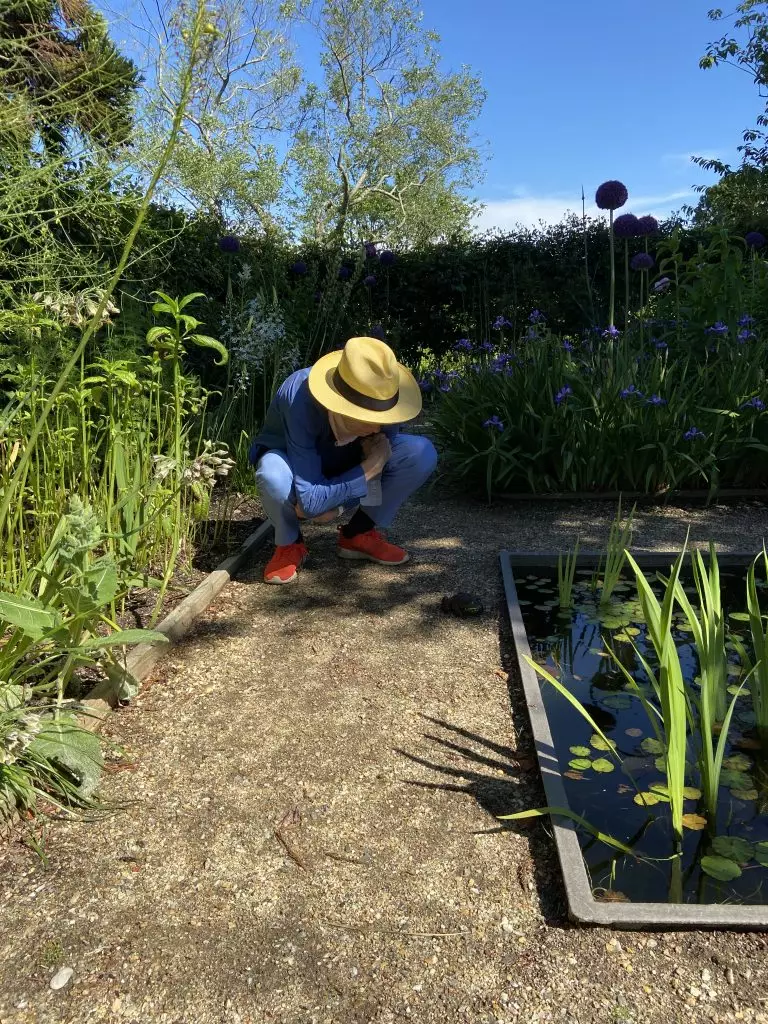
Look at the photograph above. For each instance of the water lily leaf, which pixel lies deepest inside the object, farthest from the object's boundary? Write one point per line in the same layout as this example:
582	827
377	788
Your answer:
734	670
721	868
736	780
646	799
541	607
632	630
691	793
580	751
523	604
576	776
740	691
684	627
660	788
601	744
695	822
734	848
738	762
739	616
761	854
633	732
602	764
660	765
652	746
622	638
580	764
617	701
744	794
600	653
746	743
623	788
611	622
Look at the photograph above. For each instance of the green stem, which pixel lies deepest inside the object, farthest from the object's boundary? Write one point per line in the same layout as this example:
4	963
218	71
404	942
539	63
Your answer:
613	270
626	284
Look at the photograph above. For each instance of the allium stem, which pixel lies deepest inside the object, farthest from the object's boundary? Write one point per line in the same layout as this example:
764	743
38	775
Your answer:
626	284
613	270
586	253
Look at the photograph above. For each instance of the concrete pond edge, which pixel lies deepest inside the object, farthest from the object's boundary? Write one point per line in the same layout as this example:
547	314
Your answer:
583	908
141	659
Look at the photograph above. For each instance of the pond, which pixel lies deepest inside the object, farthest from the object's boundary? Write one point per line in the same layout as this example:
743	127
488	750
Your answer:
623	792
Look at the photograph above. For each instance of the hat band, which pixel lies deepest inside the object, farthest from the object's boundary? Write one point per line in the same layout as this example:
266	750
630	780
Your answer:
364	401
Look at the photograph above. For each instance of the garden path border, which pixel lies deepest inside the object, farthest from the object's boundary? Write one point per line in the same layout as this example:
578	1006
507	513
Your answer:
642	497
142	658
583	908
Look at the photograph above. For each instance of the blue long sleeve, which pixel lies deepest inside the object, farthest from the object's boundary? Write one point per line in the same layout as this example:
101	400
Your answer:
315	492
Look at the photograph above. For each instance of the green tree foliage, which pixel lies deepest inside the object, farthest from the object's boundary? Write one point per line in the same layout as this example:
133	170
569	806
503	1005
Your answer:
739	200
384	147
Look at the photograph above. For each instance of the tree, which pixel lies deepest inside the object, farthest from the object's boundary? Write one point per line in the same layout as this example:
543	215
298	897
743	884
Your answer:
226	163
384	146
739	200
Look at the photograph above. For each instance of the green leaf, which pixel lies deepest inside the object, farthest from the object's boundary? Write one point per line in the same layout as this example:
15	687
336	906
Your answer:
761	854
125	684
601	743
691	793
647	799
27	614
739	616
205	342
602	764
580	751
738	762
580	764
734	848
721	868
64	743
11	696
563	812
652	746
123	637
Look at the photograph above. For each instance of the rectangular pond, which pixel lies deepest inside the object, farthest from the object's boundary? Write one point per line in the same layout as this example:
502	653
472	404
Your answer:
622	792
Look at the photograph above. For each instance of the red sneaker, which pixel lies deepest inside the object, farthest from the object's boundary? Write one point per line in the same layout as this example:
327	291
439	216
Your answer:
371	546
285	563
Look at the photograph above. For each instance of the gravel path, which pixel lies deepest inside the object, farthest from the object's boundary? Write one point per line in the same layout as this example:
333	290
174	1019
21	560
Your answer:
313	778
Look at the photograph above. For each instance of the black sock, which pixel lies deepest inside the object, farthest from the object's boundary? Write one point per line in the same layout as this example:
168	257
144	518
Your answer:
359	523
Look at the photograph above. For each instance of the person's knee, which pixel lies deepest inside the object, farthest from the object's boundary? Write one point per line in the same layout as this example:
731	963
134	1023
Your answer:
274	477
419	453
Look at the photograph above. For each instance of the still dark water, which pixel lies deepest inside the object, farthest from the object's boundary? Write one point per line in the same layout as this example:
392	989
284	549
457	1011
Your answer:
573	648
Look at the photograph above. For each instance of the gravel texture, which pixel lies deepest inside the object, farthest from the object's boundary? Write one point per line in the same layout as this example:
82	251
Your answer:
307	833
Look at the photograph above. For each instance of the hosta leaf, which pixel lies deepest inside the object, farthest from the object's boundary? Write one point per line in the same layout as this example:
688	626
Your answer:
721	868
734	848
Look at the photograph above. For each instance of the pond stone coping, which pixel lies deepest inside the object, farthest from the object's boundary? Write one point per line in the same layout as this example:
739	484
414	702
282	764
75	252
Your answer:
583	908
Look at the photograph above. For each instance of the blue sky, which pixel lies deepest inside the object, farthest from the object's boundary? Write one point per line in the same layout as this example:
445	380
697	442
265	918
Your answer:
581	92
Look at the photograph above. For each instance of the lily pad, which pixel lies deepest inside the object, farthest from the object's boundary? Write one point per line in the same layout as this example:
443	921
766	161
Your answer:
580	751
541	607
660	788
738	762
747	743
721	868
739	616
580	764
684	627
600	744
734	848
602	764
660	765
623	637
734	670
523	604
617	701
691	793
744	794
761	854
634	733
694	822
742	691
598	651
576	776
632	630
647	799
612	622
736	780
652	746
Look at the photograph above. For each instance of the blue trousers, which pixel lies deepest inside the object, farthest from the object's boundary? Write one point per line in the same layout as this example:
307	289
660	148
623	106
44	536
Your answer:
413	461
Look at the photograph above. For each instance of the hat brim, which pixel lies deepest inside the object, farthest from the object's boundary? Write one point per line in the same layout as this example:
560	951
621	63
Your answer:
323	389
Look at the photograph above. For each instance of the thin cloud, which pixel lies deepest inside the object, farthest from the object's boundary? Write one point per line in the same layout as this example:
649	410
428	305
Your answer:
530	211
684	159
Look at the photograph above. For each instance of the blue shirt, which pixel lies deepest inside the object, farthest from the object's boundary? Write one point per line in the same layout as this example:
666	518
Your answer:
325	475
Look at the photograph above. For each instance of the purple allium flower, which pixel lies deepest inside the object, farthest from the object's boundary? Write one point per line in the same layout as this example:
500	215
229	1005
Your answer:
745	335
425	385
536	316
299	268
717	328
344	273
369	281
641	261
377	331
568	346
630	391
387	258
648	225
692	433
563	393
626	226
657	343
754	239
370	249
229	243
463	345
662	285
500	322
754	403
745	320
657	400
494	423
611	332
611	195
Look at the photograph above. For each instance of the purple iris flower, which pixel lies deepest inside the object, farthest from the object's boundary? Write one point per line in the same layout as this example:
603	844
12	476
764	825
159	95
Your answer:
494	423
745	320
536	316
500	322
658	343
377	331
563	393
692	433
657	400
611	195
630	391
568	345
425	385
229	243
754	403
463	345
486	346
611	332
717	328
662	285
744	335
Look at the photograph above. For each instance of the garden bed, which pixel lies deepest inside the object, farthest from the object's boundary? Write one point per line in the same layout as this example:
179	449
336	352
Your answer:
615	790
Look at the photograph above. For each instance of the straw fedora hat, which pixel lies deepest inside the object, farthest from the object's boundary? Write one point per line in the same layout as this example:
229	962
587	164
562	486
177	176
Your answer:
365	382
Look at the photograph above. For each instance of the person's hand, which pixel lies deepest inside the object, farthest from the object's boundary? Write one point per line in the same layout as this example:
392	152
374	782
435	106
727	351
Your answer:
378	452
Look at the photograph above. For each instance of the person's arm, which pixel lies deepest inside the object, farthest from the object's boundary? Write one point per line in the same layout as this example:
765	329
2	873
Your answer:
316	493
